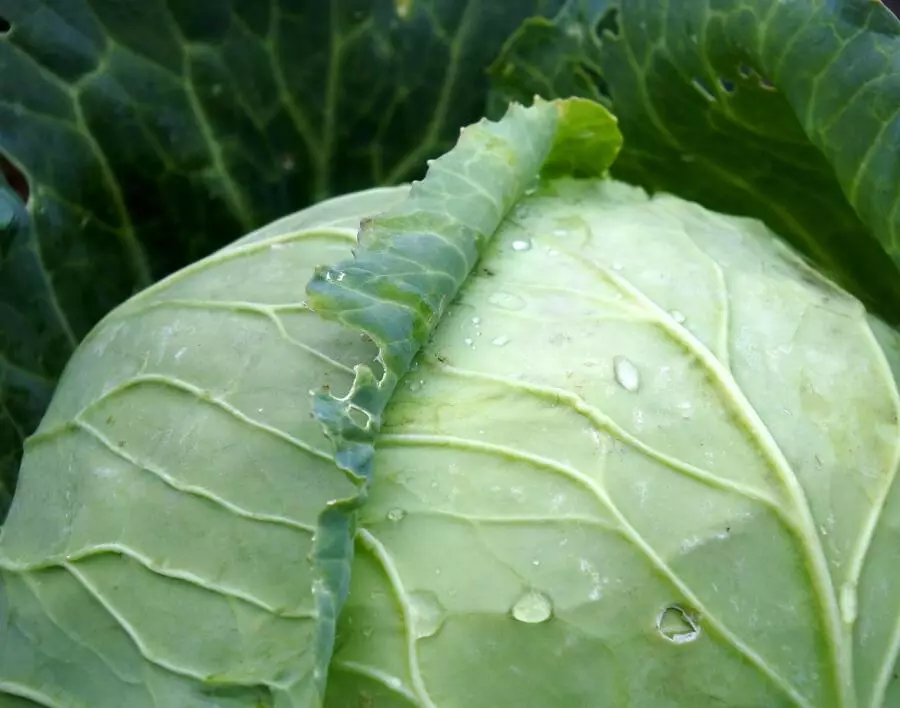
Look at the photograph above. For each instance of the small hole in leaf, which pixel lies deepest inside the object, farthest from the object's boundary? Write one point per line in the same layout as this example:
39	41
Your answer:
727	85
5	26
360	417
16	179
377	367
766	84
608	23
599	82
704	89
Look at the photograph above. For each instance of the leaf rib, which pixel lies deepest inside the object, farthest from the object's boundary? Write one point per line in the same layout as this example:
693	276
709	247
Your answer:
32	586
22	691
380	553
205	396
190	489
197	581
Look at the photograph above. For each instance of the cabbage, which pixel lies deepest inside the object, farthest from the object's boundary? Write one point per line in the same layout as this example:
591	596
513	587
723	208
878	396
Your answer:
539	439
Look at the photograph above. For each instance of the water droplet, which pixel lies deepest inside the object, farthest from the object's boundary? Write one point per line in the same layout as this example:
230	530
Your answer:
334	276
396	515
617	266
521	245
476	321
677	626
553	253
626	373
560	232
469	342
426	614
686	408
532	608
677	315
500	341
506	300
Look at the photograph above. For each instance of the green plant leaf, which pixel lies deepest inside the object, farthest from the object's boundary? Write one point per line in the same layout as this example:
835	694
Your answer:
786	111
649	458
152	133
24	390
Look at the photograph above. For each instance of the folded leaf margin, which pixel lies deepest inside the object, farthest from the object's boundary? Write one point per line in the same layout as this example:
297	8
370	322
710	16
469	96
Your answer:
408	267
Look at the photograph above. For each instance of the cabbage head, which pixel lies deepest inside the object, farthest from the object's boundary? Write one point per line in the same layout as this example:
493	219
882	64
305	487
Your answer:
536	439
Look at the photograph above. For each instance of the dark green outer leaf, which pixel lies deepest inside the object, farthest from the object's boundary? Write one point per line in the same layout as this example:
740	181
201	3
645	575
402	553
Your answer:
786	111
24	392
153	132
409	266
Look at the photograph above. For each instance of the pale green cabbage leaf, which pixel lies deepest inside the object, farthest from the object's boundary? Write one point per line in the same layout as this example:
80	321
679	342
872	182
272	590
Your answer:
648	460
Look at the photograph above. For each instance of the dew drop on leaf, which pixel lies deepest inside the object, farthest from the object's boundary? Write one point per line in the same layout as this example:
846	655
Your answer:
626	373
506	301
426	614
677	626
521	245
500	341
532	608
396	515
678	316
